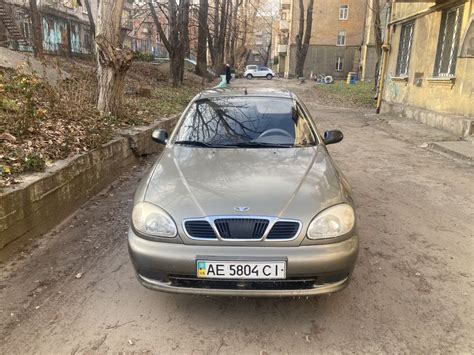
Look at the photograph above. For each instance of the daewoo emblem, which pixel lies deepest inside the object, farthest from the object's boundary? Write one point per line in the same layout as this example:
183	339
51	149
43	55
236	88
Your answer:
241	208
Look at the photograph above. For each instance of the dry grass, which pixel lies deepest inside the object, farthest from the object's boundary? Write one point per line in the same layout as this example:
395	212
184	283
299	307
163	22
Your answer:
54	122
341	94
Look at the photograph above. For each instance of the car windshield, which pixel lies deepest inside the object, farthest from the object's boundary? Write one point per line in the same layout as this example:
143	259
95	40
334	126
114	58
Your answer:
245	121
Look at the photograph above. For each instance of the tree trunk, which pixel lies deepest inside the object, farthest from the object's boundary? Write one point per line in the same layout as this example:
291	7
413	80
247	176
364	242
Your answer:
302	44
37	31
201	58
91	18
113	61
378	39
178	38
183	30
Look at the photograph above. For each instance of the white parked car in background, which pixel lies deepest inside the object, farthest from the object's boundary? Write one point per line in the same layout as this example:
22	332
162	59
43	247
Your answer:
252	71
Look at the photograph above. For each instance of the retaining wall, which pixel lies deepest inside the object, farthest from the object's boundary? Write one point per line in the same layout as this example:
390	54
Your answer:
43	200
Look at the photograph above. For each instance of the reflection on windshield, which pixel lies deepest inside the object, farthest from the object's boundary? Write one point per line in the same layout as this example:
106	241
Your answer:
245	121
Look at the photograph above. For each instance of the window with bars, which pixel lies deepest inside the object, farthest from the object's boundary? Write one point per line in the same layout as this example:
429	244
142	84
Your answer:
339	63
404	49
448	42
343	12
341	38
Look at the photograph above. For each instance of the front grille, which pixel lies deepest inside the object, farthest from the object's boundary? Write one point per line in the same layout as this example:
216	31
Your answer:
200	229
288	284
284	230
241	228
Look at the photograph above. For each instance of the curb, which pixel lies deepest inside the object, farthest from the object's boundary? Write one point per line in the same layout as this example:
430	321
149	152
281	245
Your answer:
45	199
445	151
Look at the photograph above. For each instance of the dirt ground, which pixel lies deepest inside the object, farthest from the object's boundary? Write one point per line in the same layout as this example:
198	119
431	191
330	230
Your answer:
74	290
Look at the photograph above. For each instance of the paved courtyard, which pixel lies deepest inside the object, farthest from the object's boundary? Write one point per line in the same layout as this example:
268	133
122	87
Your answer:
74	290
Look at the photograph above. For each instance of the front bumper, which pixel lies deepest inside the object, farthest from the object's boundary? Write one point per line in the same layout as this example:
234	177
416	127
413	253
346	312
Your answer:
311	269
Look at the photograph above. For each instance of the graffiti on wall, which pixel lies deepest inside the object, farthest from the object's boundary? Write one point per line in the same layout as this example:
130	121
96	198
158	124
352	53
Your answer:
55	35
65	37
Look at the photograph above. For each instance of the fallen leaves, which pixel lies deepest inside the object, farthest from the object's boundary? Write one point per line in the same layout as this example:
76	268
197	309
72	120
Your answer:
40	123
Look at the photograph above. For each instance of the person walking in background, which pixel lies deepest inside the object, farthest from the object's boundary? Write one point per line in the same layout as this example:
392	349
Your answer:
228	74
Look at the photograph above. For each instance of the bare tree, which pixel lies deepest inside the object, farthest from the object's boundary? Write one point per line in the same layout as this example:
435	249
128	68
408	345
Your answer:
113	60
37	32
177	41
201	58
91	18
376	9
302	43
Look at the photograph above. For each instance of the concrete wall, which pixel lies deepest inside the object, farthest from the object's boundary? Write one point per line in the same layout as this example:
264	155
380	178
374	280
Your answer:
454	96
322	59
368	63
44	200
326	26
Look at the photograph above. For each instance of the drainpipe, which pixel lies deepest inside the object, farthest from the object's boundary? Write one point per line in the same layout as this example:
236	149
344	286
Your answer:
386	50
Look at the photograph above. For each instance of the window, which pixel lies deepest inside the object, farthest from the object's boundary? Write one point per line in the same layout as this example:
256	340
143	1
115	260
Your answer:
341	38
283	16
404	48
343	12
25	28
256	57
238	120
448	42
339	63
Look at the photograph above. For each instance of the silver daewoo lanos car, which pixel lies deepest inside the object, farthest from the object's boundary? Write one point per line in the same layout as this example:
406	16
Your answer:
244	200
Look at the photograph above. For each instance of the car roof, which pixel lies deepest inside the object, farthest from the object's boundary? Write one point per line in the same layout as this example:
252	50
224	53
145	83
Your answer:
250	92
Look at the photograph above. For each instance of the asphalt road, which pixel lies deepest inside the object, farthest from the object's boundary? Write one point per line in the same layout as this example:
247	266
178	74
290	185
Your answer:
74	291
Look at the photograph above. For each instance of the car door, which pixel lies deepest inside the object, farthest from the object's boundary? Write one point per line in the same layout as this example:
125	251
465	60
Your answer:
262	72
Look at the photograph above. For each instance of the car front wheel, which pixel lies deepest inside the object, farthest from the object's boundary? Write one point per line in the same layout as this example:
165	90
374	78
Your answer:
269	76
249	76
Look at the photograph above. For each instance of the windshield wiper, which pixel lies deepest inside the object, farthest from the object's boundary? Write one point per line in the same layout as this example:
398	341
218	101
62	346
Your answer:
262	145
195	144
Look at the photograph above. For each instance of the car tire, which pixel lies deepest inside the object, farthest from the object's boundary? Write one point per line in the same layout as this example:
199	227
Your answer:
269	76
249	76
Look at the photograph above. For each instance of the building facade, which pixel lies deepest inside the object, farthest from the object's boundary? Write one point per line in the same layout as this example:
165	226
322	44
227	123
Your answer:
368	55
336	37
261	42
66	28
429	69
144	36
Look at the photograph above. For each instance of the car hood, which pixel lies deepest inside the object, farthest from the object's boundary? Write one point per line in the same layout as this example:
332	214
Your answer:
293	183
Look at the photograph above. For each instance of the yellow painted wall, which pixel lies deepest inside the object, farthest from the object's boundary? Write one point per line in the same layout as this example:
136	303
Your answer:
457	98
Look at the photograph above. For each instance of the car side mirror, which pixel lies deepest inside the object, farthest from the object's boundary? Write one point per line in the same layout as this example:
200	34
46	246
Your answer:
160	136
333	136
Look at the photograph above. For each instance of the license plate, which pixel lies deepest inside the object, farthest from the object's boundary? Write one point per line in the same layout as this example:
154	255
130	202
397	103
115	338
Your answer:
207	269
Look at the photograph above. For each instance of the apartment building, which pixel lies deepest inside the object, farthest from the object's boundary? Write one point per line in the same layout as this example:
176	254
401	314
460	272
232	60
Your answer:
336	37
429	74
65	25
261	42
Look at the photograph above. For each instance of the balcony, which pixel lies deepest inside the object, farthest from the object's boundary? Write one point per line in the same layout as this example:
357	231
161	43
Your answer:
284	26
282	48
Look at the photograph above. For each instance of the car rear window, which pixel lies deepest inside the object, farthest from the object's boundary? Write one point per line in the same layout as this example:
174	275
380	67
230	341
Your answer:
251	120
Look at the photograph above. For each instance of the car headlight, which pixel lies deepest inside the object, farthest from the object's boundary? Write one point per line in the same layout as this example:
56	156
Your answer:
332	222
152	220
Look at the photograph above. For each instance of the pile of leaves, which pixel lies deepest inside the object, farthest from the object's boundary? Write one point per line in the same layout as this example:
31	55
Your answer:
40	123
341	94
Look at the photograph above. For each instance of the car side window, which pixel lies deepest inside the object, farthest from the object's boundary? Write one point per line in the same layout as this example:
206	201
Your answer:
304	133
